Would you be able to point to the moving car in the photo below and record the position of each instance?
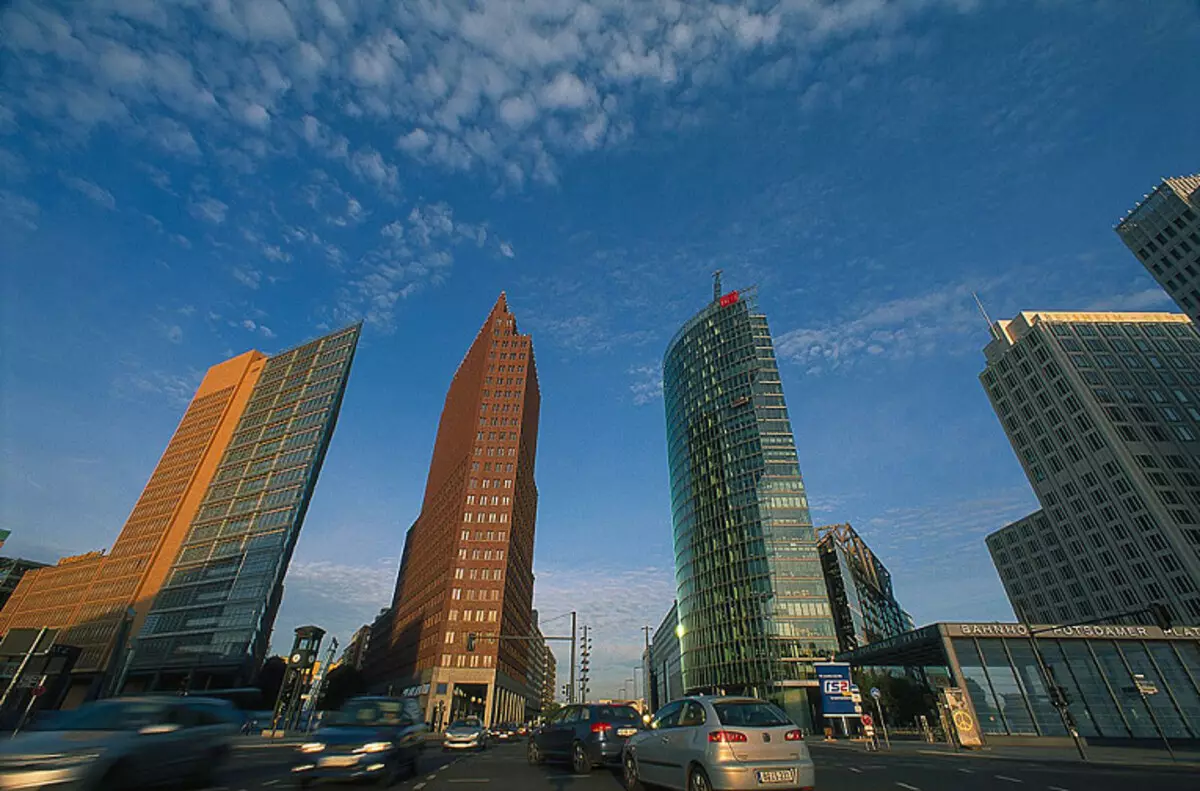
(726, 742)
(587, 735)
(504, 733)
(369, 738)
(465, 734)
(126, 743)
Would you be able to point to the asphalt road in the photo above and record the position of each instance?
(504, 768)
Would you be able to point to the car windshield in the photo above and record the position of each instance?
(618, 714)
(110, 715)
(366, 713)
(750, 713)
(469, 722)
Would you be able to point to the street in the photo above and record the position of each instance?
(839, 768)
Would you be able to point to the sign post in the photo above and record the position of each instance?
(875, 693)
(837, 691)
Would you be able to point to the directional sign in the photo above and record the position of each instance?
(875, 693)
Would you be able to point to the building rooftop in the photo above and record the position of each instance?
(1183, 186)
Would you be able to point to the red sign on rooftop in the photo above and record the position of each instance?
(729, 299)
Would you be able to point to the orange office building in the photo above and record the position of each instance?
(99, 600)
(467, 566)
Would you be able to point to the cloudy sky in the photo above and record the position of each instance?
(182, 181)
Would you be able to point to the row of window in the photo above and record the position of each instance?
(490, 594)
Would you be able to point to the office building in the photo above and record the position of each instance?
(99, 599)
(860, 589)
(210, 623)
(1163, 231)
(1122, 681)
(356, 650)
(662, 664)
(11, 571)
(1103, 412)
(549, 676)
(467, 566)
(753, 609)
(535, 676)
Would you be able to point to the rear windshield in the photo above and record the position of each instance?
(750, 713)
(617, 713)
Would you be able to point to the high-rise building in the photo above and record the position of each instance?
(356, 649)
(535, 675)
(1103, 411)
(467, 566)
(753, 609)
(210, 623)
(662, 660)
(1163, 231)
(11, 571)
(860, 589)
(100, 599)
(549, 676)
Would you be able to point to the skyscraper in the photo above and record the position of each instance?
(100, 598)
(1103, 411)
(467, 566)
(753, 608)
(860, 589)
(1163, 231)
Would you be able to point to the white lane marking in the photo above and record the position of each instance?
(431, 777)
(906, 785)
(469, 780)
(443, 768)
(1008, 779)
(270, 782)
(1056, 788)
(856, 770)
(966, 771)
(418, 786)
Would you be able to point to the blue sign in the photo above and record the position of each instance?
(836, 686)
(875, 692)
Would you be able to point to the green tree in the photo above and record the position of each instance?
(902, 698)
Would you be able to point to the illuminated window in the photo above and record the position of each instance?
(491, 615)
(456, 594)
(445, 660)
(458, 574)
(467, 516)
(449, 638)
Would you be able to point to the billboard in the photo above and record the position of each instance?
(836, 688)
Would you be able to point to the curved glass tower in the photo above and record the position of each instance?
(753, 608)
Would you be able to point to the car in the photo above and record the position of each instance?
(465, 734)
(369, 738)
(713, 741)
(126, 743)
(506, 732)
(584, 735)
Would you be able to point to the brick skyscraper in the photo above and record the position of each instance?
(102, 599)
(468, 559)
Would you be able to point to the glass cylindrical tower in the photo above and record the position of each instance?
(753, 607)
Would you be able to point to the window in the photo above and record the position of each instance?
(456, 594)
(449, 638)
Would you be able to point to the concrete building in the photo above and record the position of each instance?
(535, 677)
(467, 566)
(663, 663)
(860, 589)
(11, 571)
(214, 526)
(356, 650)
(549, 677)
(1163, 231)
(753, 608)
(1103, 412)
(1118, 679)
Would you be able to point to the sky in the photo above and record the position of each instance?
(183, 181)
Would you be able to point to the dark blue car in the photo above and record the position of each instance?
(586, 735)
(370, 738)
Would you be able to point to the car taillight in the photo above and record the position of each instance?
(601, 727)
(793, 736)
(726, 737)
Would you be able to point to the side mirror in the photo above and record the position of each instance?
(162, 727)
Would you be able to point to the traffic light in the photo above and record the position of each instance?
(1161, 615)
(470, 641)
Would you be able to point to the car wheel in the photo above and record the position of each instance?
(117, 778)
(389, 775)
(629, 774)
(580, 763)
(698, 780)
(534, 754)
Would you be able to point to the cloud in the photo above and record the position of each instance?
(273, 252)
(250, 278)
(647, 385)
(340, 597)
(371, 166)
(18, 210)
(93, 192)
(506, 250)
(1143, 299)
(174, 333)
(172, 389)
(208, 209)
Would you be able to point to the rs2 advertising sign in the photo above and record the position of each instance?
(836, 688)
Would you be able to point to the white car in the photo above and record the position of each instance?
(716, 741)
(466, 734)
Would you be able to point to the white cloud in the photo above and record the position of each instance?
(273, 252)
(1153, 299)
(647, 384)
(250, 278)
(413, 142)
(174, 333)
(90, 190)
(370, 165)
(208, 209)
(518, 111)
(18, 210)
(506, 250)
(566, 91)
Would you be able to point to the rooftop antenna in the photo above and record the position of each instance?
(983, 312)
(717, 285)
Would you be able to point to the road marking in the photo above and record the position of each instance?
(1056, 788)
(418, 786)
(906, 785)
(1008, 779)
(966, 771)
(856, 770)
(270, 782)
(443, 768)
(469, 780)
(431, 777)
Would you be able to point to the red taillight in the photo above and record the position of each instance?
(726, 737)
(793, 736)
(601, 727)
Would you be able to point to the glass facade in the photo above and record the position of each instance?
(865, 609)
(222, 593)
(753, 605)
(1101, 679)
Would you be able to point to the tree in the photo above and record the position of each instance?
(902, 698)
(342, 683)
(270, 679)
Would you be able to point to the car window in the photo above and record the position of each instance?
(618, 714)
(571, 715)
(184, 716)
(585, 714)
(692, 715)
(667, 716)
(752, 713)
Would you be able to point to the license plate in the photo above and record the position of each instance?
(777, 776)
(338, 760)
(626, 731)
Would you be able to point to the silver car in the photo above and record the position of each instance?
(123, 743)
(467, 734)
(716, 741)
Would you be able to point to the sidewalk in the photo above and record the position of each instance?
(1115, 756)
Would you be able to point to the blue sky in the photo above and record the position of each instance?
(182, 181)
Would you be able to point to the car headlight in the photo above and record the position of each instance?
(312, 747)
(374, 747)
